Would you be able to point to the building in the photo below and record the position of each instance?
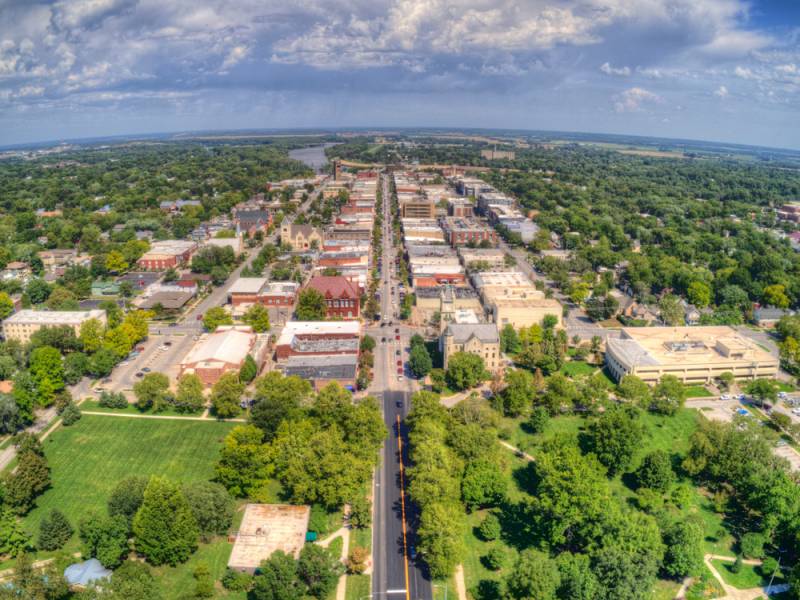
(461, 231)
(768, 316)
(234, 243)
(248, 222)
(265, 529)
(58, 257)
(301, 237)
(257, 290)
(223, 351)
(319, 371)
(692, 354)
(460, 207)
(167, 254)
(342, 297)
(790, 212)
(471, 186)
(476, 259)
(22, 325)
(482, 339)
(494, 154)
(417, 207)
(490, 283)
(519, 311)
(447, 299)
(318, 338)
(422, 231)
(166, 300)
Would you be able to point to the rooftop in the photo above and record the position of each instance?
(334, 286)
(55, 317)
(334, 366)
(266, 528)
(229, 344)
(294, 328)
(247, 285)
(503, 279)
(485, 332)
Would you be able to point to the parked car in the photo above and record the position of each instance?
(399, 363)
(139, 374)
(168, 343)
(397, 337)
(146, 369)
(725, 397)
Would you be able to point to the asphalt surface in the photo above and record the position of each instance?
(395, 574)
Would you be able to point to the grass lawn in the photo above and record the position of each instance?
(665, 589)
(748, 577)
(89, 458)
(576, 368)
(784, 387)
(175, 582)
(697, 391)
(357, 587)
(94, 406)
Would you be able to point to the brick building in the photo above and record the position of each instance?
(341, 296)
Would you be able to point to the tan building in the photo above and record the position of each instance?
(481, 339)
(23, 324)
(693, 354)
(417, 207)
(222, 351)
(494, 258)
(493, 283)
(521, 311)
(301, 237)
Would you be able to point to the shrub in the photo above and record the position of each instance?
(357, 561)
(736, 567)
(752, 545)
(54, 531)
(490, 527)
(538, 420)
(234, 581)
(495, 559)
(112, 400)
(71, 414)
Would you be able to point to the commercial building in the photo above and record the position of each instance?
(167, 254)
(422, 231)
(492, 282)
(460, 207)
(471, 186)
(258, 290)
(415, 206)
(318, 338)
(167, 300)
(319, 371)
(342, 297)
(223, 351)
(494, 154)
(693, 354)
(23, 324)
(447, 299)
(520, 311)
(486, 258)
(482, 339)
(265, 529)
(234, 243)
(790, 212)
(460, 231)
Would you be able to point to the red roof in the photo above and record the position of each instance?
(334, 286)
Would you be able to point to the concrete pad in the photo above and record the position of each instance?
(266, 528)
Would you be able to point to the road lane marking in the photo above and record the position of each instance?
(403, 504)
(396, 591)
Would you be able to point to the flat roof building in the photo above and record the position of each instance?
(23, 324)
(318, 338)
(692, 354)
(460, 231)
(222, 351)
(167, 254)
(265, 529)
(319, 371)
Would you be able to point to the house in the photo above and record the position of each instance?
(482, 339)
(16, 270)
(301, 237)
(768, 316)
(342, 297)
(57, 257)
(223, 351)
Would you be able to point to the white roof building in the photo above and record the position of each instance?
(295, 328)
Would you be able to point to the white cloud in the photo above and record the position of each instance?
(721, 92)
(609, 70)
(236, 54)
(634, 99)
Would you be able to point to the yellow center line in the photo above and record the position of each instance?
(403, 505)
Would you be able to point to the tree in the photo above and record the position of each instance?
(669, 395)
(763, 390)
(257, 316)
(211, 506)
(578, 582)
(518, 393)
(752, 544)
(115, 262)
(152, 392)
(483, 484)
(102, 363)
(509, 340)
(31, 478)
(367, 343)
(54, 531)
(226, 394)
(775, 295)
(6, 305)
(24, 394)
(190, 395)
(726, 380)
(684, 552)
(440, 539)
(319, 570)
(277, 398)
(10, 419)
(91, 335)
(76, 365)
(13, 539)
(490, 528)
(133, 580)
(464, 370)
(538, 420)
(46, 365)
(615, 436)
(38, 290)
(535, 577)
(119, 340)
(670, 310)
(278, 579)
(656, 472)
(634, 390)
(311, 305)
(699, 293)
(105, 538)
(126, 497)
(419, 361)
(165, 528)
(245, 462)
(215, 317)
(600, 308)
(357, 560)
(248, 370)
(71, 414)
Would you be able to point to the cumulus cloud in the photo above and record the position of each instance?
(635, 99)
(609, 70)
(721, 92)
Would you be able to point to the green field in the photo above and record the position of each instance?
(697, 391)
(94, 406)
(89, 458)
(575, 368)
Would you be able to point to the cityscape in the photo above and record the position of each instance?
(400, 300)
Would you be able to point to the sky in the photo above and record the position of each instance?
(722, 70)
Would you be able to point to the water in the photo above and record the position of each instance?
(313, 156)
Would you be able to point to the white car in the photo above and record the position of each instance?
(796, 411)
(725, 397)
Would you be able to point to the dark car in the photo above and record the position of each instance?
(139, 374)
(399, 404)
(397, 352)
(168, 343)
(146, 369)
(173, 324)
(397, 330)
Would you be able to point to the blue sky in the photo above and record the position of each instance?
(725, 70)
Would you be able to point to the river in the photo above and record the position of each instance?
(313, 156)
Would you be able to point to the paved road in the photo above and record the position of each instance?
(395, 574)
